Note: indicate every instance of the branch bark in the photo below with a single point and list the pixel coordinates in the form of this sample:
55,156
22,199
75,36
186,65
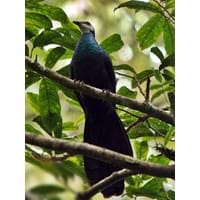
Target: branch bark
105,155
97,93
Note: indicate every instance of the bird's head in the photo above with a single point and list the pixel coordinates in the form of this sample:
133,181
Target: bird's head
85,26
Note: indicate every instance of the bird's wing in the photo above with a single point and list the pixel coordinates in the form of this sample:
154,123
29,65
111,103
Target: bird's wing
111,74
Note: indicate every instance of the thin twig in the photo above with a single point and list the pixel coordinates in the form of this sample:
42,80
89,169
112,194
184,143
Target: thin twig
148,89
104,183
97,93
170,17
126,111
134,124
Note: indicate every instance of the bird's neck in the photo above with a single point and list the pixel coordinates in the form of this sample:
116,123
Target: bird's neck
87,44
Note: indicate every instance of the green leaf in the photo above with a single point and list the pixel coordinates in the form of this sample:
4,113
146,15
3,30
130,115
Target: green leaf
160,85
38,20
30,31
31,129
124,67
152,189
169,61
141,149
62,170
31,78
169,37
168,75
158,53
53,37
124,91
46,189
162,91
169,135
112,43
69,126
140,5
45,38
54,56
158,75
34,101
50,11
170,4
150,31
50,107
161,159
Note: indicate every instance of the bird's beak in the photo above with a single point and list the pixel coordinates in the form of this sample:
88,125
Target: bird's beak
77,23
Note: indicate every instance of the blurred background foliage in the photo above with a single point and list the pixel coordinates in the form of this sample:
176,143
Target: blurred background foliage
132,56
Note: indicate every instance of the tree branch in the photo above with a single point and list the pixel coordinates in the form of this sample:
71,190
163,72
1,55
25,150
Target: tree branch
104,183
97,93
102,154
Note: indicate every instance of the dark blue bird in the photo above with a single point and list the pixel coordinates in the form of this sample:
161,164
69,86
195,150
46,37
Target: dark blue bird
103,127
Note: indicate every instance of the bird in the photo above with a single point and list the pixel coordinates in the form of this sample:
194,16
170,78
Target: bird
90,64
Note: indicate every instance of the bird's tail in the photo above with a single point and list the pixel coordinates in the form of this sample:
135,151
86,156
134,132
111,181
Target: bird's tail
105,130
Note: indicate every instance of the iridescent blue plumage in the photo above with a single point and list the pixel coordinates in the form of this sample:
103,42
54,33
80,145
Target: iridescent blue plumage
103,127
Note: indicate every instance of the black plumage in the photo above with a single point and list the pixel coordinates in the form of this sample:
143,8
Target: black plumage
103,127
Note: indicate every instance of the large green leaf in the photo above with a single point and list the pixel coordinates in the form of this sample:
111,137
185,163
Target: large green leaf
162,91
124,91
150,31
39,20
50,11
141,149
34,101
31,78
158,53
45,38
46,189
169,37
30,31
54,56
140,5
50,107
112,43
53,37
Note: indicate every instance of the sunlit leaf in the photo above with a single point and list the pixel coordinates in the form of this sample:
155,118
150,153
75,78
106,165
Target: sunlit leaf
169,135
39,20
140,5
124,91
69,126
150,31
50,11
31,129
169,37
161,91
141,149
112,43
50,107
34,101
158,75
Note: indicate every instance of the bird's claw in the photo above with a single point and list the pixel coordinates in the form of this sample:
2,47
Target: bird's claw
78,82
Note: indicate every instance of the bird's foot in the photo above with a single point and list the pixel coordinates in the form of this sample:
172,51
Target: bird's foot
78,82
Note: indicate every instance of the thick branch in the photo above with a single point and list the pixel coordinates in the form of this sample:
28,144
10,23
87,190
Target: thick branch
97,93
104,183
102,154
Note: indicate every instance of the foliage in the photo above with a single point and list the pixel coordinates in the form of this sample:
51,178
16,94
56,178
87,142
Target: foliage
50,44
